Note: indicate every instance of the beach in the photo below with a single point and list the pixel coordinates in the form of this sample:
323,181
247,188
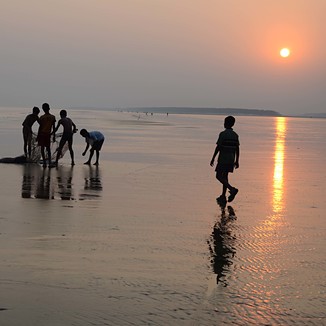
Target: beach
140,239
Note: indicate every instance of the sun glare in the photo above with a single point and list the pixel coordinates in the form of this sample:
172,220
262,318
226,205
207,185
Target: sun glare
285,52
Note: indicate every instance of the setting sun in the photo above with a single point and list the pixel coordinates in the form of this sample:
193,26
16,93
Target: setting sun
285,52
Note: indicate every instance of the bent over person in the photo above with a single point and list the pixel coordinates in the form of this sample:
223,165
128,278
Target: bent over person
227,146
95,140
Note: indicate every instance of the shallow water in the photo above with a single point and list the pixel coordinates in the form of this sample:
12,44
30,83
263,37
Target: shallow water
140,240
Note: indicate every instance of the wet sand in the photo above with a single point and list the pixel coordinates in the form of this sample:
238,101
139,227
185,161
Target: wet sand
140,240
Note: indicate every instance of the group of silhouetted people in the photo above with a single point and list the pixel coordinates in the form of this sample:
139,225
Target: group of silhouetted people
227,145
47,129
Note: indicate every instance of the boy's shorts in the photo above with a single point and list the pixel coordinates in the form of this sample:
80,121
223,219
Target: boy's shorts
66,137
224,168
98,145
44,139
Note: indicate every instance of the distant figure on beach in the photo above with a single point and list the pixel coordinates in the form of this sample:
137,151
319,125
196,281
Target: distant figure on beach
69,128
28,132
47,124
95,140
227,146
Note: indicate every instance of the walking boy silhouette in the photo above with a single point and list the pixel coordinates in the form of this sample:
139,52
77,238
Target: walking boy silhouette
227,146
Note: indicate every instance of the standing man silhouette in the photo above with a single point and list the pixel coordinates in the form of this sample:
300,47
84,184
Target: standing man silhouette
47,124
28,132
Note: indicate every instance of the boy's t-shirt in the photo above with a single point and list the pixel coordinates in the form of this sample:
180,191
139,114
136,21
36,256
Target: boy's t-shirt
94,136
228,142
46,123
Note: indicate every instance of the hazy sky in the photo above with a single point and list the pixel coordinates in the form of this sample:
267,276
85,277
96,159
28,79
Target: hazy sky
198,53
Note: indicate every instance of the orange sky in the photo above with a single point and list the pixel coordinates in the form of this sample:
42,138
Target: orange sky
121,53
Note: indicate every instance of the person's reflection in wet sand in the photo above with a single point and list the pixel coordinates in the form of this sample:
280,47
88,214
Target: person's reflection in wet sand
30,174
93,183
93,179
64,179
44,185
221,244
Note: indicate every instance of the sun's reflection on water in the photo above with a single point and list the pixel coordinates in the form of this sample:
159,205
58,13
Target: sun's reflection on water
279,155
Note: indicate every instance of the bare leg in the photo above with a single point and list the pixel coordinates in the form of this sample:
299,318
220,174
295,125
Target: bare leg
59,151
49,155
58,155
43,156
223,178
72,157
97,158
91,153
25,137
25,148
29,146
224,191
71,152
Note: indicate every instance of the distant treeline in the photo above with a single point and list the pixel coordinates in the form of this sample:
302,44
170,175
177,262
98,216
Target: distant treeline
205,111
209,111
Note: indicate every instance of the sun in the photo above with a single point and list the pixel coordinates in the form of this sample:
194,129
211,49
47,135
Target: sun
285,52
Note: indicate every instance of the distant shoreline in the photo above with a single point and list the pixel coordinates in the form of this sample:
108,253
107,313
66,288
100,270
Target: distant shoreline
200,111
206,111
192,110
